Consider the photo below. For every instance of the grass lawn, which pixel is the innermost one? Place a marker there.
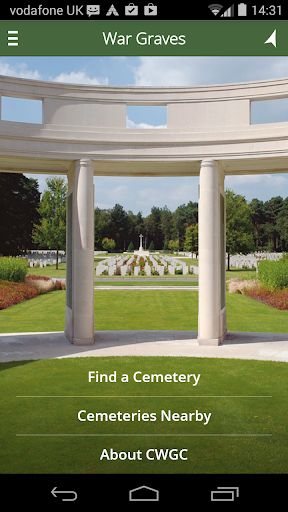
(147, 310)
(66, 384)
(242, 273)
(49, 271)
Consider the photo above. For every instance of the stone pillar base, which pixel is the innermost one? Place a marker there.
(211, 341)
(82, 341)
(205, 341)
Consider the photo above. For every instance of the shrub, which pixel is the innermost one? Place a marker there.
(41, 284)
(13, 269)
(108, 244)
(174, 245)
(273, 274)
(60, 285)
(45, 284)
(241, 286)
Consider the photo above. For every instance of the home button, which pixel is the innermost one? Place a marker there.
(143, 493)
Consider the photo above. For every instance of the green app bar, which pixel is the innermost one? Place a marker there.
(137, 38)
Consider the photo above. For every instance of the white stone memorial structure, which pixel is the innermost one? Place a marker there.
(141, 251)
(83, 134)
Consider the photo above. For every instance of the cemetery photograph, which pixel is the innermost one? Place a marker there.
(143, 272)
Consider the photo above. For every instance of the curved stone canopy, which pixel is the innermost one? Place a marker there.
(203, 122)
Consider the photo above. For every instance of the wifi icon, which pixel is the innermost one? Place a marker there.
(215, 8)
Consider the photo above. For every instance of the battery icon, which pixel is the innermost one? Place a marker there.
(242, 9)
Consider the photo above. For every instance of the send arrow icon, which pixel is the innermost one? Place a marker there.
(54, 492)
(272, 39)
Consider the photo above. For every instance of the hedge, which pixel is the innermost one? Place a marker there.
(273, 274)
(13, 269)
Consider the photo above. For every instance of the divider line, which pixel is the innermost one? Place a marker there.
(143, 435)
(142, 396)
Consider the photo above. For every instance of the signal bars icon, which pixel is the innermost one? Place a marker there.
(215, 8)
(229, 13)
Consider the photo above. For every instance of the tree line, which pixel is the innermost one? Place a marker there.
(30, 220)
(158, 228)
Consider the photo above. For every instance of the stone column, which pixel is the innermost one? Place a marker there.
(79, 317)
(212, 250)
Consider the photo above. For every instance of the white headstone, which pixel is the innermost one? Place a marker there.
(148, 270)
(124, 270)
(111, 270)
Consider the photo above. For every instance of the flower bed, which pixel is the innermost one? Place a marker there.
(14, 293)
(277, 298)
(252, 288)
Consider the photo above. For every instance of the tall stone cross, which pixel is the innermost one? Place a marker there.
(141, 247)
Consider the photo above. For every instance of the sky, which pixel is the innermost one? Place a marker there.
(142, 193)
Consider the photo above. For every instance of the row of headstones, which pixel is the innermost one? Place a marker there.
(43, 263)
(251, 260)
(170, 263)
(173, 264)
(44, 255)
(44, 258)
(268, 255)
(111, 263)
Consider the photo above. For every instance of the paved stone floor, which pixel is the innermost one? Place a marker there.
(237, 345)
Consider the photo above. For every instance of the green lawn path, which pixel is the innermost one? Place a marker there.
(141, 310)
